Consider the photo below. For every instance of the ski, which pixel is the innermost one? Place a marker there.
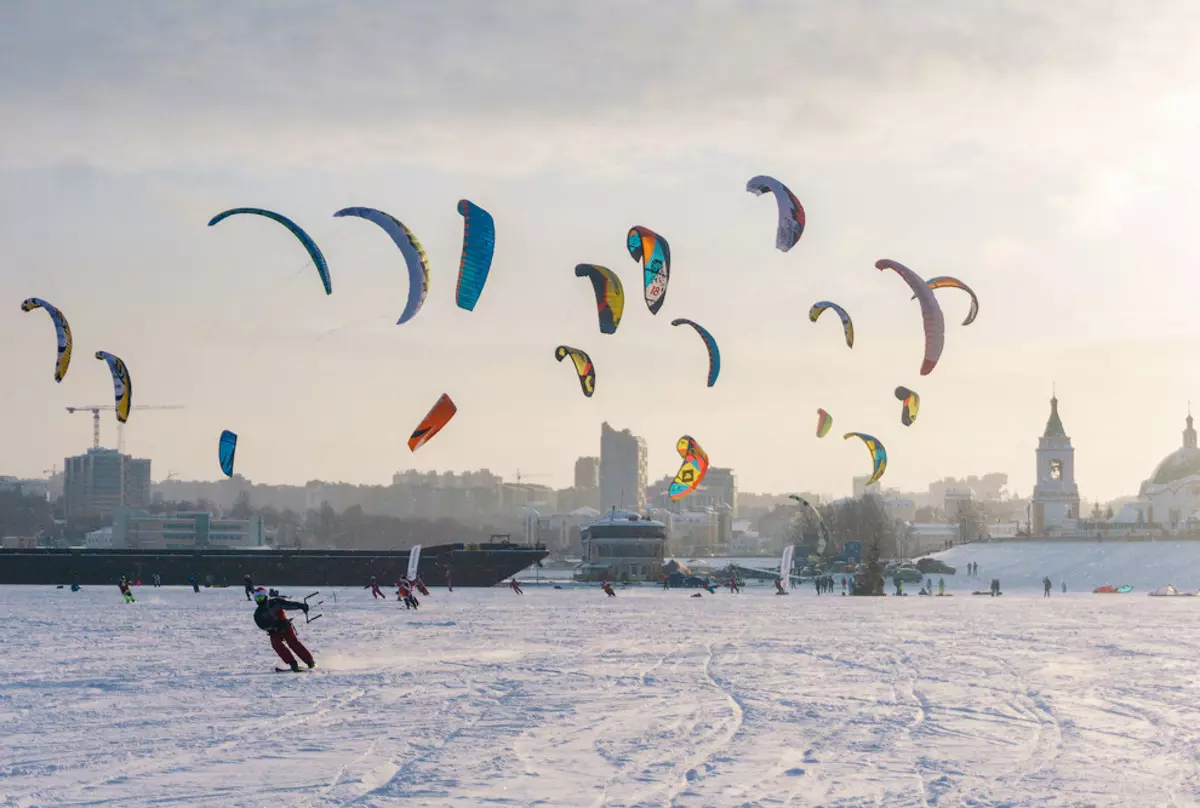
(289, 670)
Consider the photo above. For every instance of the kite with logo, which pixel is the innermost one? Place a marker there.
(61, 330)
(441, 413)
(122, 385)
(610, 295)
(691, 472)
(655, 254)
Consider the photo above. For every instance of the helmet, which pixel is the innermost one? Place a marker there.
(260, 595)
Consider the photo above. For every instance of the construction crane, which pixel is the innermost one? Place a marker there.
(94, 409)
(521, 476)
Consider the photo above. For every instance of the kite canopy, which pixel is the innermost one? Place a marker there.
(610, 295)
(62, 332)
(314, 252)
(947, 282)
(479, 242)
(911, 406)
(847, 323)
(583, 367)
(714, 353)
(791, 212)
(122, 385)
(655, 254)
(878, 453)
(441, 413)
(931, 313)
(823, 540)
(691, 473)
(414, 256)
(824, 422)
(226, 450)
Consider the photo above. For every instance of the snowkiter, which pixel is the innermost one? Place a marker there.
(449, 585)
(126, 592)
(75, 587)
(779, 590)
(733, 585)
(516, 586)
(376, 592)
(157, 581)
(941, 586)
(269, 615)
(608, 589)
(192, 580)
(420, 585)
(249, 586)
(1046, 586)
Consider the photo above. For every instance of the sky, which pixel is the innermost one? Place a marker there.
(1044, 153)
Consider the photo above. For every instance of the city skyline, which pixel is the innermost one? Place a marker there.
(993, 145)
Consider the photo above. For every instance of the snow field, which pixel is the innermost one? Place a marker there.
(569, 698)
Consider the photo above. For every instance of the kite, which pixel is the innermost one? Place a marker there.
(878, 454)
(583, 367)
(61, 329)
(912, 405)
(610, 295)
(931, 313)
(945, 281)
(824, 422)
(823, 539)
(410, 248)
(714, 353)
(847, 323)
(695, 466)
(226, 450)
(655, 254)
(314, 252)
(443, 410)
(479, 242)
(791, 212)
(122, 386)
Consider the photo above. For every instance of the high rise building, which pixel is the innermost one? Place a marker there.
(622, 470)
(721, 485)
(99, 482)
(587, 473)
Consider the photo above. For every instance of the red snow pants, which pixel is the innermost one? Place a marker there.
(281, 640)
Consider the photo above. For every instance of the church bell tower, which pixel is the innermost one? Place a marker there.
(1056, 496)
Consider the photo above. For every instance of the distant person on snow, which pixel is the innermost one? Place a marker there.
(941, 586)
(192, 580)
(449, 586)
(75, 587)
(1064, 587)
(779, 590)
(608, 589)
(249, 586)
(404, 593)
(733, 585)
(844, 584)
(376, 592)
(420, 585)
(516, 586)
(126, 592)
(1046, 587)
(269, 615)
(157, 581)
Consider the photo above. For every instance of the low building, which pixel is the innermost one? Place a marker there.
(141, 530)
(622, 546)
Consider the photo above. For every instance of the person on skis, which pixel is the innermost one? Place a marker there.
(192, 580)
(376, 592)
(249, 582)
(420, 585)
(608, 589)
(404, 593)
(516, 586)
(733, 585)
(269, 615)
(126, 592)
(779, 590)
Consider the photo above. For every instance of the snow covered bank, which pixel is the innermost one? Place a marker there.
(1083, 565)
(569, 698)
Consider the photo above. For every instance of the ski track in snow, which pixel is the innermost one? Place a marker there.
(569, 698)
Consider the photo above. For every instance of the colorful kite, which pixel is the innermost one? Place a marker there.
(314, 252)
(947, 282)
(714, 353)
(61, 330)
(878, 453)
(912, 405)
(583, 367)
(791, 212)
(695, 466)
(655, 254)
(931, 313)
(226, 450)
(122, 385)
(610, 295)
(824, 422)
(443, 410)
(479, 242)
(410, 248)
(847, 323)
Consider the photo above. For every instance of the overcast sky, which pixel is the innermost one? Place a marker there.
(1045, 153)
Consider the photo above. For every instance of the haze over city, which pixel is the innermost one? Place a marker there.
(1044, 153)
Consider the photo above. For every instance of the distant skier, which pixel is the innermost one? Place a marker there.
(75, 587)
(608, 589)
(376, 592)
(249, 582)
(941, 586)
(192, 580)
(404, 593)
(420, 585)
(1046, 587)
(779, 590)
(157, 581)
(269, 615)
(844, 584)
(449, 586)
(516, 586)
(733, 585)
(126, 592)
(995, 587)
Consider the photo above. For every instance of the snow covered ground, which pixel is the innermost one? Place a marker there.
(568, 698)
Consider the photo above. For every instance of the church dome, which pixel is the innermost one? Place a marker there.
(1180, 464)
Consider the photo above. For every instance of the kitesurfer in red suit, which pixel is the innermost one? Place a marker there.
(270, 617)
